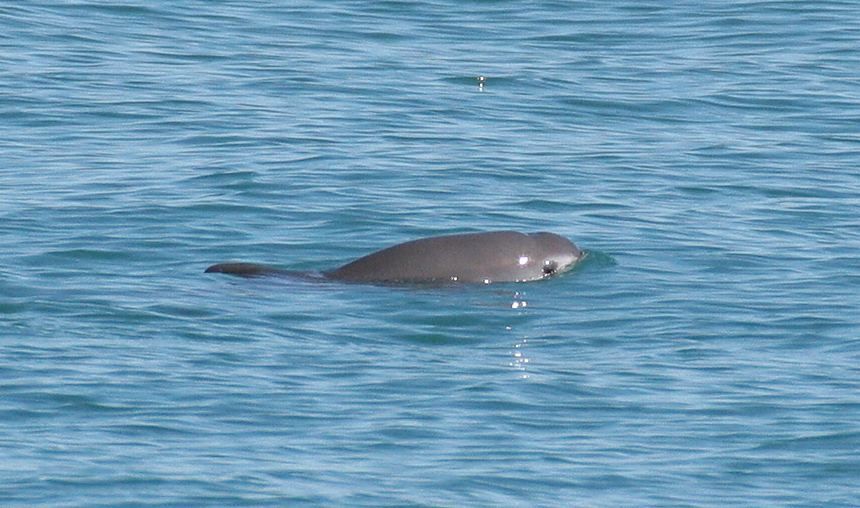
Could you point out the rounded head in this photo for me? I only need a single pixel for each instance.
(558, 253)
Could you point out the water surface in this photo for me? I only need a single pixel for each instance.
(705, 155)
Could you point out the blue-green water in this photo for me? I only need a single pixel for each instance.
(707, 155)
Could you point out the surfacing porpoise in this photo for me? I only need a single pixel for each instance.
(496, 256)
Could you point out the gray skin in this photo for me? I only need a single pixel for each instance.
(498, 256)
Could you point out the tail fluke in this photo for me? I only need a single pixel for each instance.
(246, 270)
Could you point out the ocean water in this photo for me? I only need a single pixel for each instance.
(705, 154)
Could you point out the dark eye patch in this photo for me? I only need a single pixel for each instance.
(549, 267)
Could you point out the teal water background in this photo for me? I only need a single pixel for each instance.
(706, 154)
